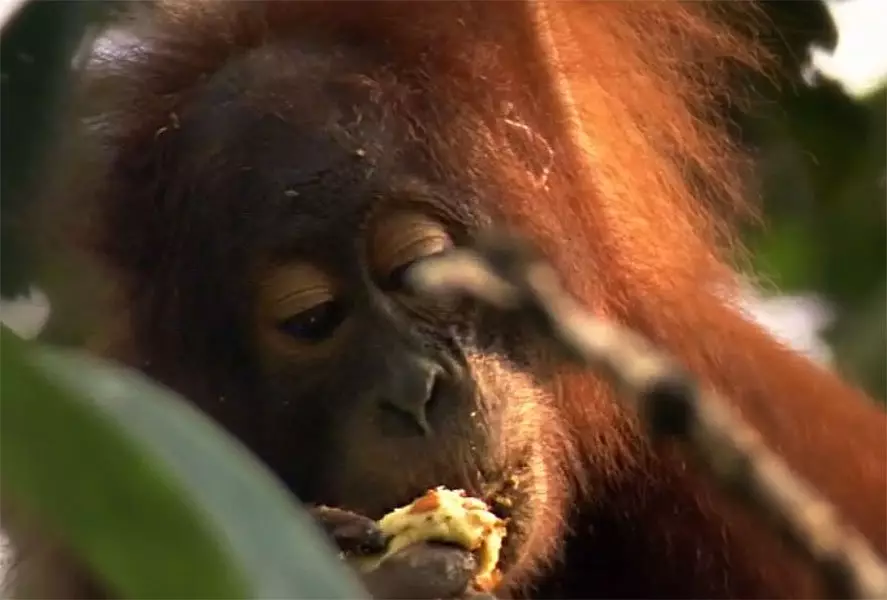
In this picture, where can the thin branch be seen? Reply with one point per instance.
(502, 273)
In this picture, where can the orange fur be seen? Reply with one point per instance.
(622, 93)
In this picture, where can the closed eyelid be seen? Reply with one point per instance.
(416, 248)
(289, 291)
(405, 237)
(296, 301)
(293, 288)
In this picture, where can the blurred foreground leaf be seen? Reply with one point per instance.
(151, 495)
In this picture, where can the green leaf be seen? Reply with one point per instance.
(149, 493)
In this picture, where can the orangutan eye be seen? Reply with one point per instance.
(302, 303)
(314, 324)
(400, 241)
(395, 279)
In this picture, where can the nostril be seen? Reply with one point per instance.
(410, 392)
(433, 398)
(413, 417)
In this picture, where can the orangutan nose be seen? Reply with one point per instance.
(410, 389)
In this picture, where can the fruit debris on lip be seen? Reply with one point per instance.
(446, 516)
(501, 499)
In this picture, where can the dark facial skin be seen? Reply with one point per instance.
(362, 395)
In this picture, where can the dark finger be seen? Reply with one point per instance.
(423, 572)
(353, 533)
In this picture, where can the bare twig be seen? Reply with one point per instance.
(502, 273)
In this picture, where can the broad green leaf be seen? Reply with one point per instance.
(153, 496)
